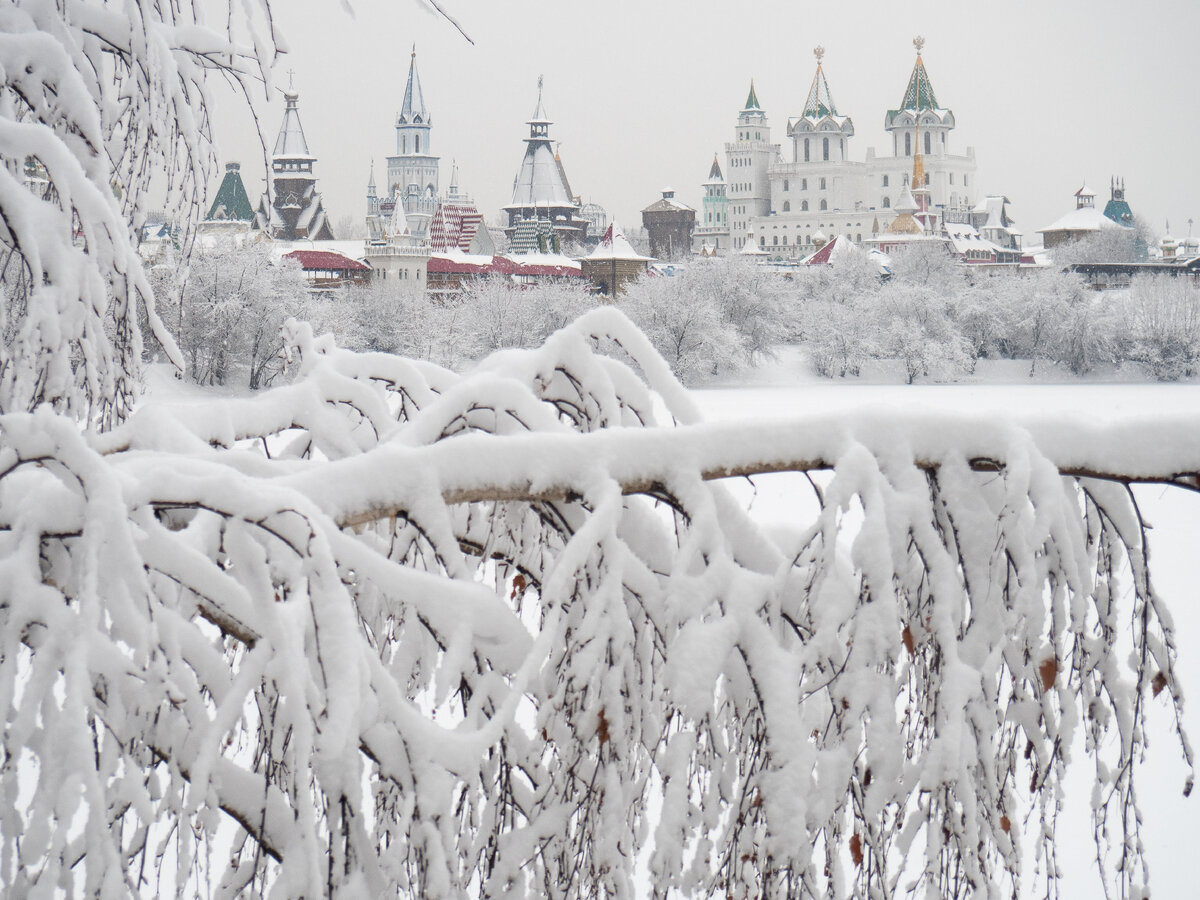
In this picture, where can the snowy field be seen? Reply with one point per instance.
(783, 389)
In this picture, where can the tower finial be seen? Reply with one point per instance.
(291, 74)
(919, 43)
(414, 50)
(819, 53)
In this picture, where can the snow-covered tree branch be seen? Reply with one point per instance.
(391, 630)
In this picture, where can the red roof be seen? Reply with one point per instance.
(454, 226)
(311, 260)
(825, 254)
(499, 265)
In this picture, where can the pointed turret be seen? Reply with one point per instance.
(541, 190)
(412, 110)
(752, 99)
(714, 174)
(290, 143)
(371, 182)
(919, 93)
(293, 210)
(820, 135)
(919, 125)
(820, 100)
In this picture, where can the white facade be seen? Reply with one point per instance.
(749, 157)
(823, 189)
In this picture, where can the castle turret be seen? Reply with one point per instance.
(749, 156)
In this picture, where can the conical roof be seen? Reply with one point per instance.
(412, 110)
(714, 173)
(919, 93)
(290, 142)
(231, 202)
(820, 100)
(752, 98)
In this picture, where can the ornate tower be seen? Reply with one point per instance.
(748, 157)
(820, 134)
(542, 204)
(714, 212)
(292, 210)
(919, 110)
(412, 174)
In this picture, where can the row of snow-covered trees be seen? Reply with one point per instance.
(384, 629)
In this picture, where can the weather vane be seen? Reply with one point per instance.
(819, 53)
(919, 43)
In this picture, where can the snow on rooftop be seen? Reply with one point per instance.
(614, 245)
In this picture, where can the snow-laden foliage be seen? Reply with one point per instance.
(225, 307)
(98, 101)
(388, 630)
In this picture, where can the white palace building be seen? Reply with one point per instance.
(781, 204)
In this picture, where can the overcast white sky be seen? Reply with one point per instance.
(1049, 93)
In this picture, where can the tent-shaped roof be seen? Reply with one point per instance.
(820, 100)
(919, 93)
(837, 247)
(291, 143)
(714, 174)
(614, 245)
(231, 204)
(539, 182)
(412, 109)
(752, 98)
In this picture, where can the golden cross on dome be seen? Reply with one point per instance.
(919, 43)
(819, 53)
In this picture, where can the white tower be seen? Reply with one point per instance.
(748, 157)
(412, 174)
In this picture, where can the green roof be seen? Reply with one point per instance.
(752, 100)
(920, 90)
(820, 100)
(231, 202)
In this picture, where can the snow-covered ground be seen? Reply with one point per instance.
(784, 388)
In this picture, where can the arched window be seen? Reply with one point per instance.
(887, 203)
(927, 145)
(822, 184)
(775, 241)
(785, 184)
(803, 206)
(824, 205)
(885, 181)
(418, 140)
(825, 148)
(907, 144)
(804, 184)
(806, 149)
(787, 205)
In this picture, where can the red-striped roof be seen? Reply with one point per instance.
(454, 227)
(499, 265)
(326, 260)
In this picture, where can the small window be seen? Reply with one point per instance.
(825, 147)
(907, 144)
(806, 149)
(804, 184)
(775, 241)
(952, 178)
(824, 205)
(964, 180)
(822, 186)
(787, 205)
(885, 181)
(785, 184)
(927, 145)
(804, 206)
(887, 203)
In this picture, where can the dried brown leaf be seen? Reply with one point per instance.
(856, 853)
(1048, 669)
(1159, 682)
(907, 637)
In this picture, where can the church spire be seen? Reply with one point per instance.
(714, 174)
(820, 100)
(752, 99)
(413, 108)
(919, 93)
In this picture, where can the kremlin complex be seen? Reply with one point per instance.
(802, 202)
